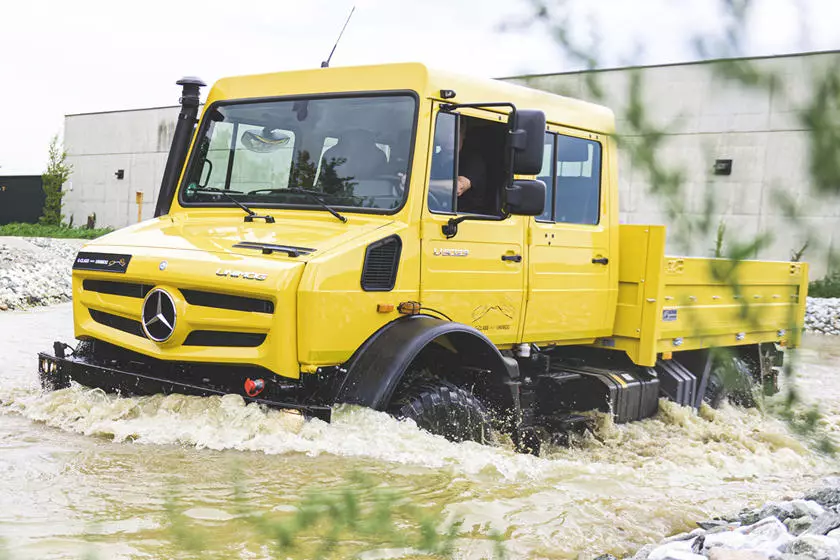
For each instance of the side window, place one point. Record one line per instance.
(577, 193)
(442, 172)
(547, 176)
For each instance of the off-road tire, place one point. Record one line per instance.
(737, 384)
(444, 409)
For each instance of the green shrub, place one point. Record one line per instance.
(828, 287)
(56, 175)
(43, 230)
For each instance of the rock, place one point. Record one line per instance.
(824, 523)
(727, 554)
(798, 525)
(697, 545)
(826, 497)
(834, 534)
(682, 536)
(806, 507)
(765, 537)
(644, 552)
(606, 557)
(749, 516)
(675, 550)
(779, 510)
(817, 547)
(713, 524)
(4, 307)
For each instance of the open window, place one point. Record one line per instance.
(468, 153)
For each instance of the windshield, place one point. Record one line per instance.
(351, 152)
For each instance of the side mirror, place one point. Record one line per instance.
(525, 198)
(527, 140)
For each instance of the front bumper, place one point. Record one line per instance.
(135, 378)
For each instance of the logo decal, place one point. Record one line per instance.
(482, 310)
(451, 252)
(240, 274)
(159, 315)
(162, 265)
(669, 315)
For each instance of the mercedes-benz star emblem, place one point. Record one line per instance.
(162, 265)
(158, 315)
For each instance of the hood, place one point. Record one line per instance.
(314, 233)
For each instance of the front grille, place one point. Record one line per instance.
(222, 338)
(127, 289)
(116, 322)
(225, 301)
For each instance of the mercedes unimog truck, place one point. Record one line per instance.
(441, 248)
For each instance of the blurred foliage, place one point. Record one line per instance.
(358, 517)
(60, 231)
(828, 287)
(643, 140)
(55, 176)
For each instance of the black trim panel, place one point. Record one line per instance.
(127, 289)
(129, 326)
(226, 301)
(222, 338)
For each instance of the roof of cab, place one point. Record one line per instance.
(419, 78)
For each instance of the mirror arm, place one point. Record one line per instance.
(450, 228)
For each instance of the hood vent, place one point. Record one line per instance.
(382, 260)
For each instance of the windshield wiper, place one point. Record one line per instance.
(317, 199)
(269, 219)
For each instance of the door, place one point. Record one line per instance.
(477, 275)
(570, 290)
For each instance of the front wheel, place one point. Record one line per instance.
(444, 409)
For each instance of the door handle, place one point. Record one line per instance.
(601, 260)
(512, 258)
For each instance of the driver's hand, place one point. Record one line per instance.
(464, 184)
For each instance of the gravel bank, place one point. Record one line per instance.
(797, 529)
(35, 270)
(823, 315)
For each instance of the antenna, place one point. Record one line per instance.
(326, 63)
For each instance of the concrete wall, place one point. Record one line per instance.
(99, 144)
(709, 118)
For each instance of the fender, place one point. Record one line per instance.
(377, 367)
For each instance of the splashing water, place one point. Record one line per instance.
(78, 462)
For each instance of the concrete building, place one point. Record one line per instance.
(116, 155)
(708, 118)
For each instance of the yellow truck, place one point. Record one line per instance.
(442, 248)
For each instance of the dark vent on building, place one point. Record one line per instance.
(127, 289)
(222, 338)
(225, 301)
(116, 322)
(382, 259)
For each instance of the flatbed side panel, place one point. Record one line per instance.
(640, 280)
(718, 302)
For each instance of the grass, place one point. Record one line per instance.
(63, 232)
(828, 287)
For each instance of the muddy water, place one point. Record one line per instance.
(82, 472)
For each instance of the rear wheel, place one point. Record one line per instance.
(731, 378)
(444, 409)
